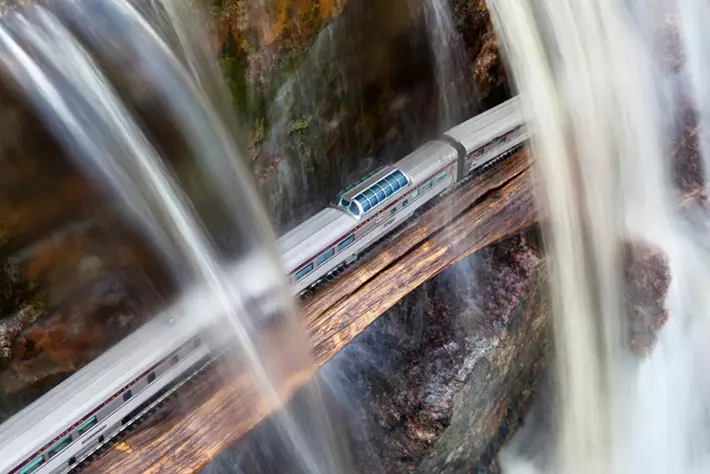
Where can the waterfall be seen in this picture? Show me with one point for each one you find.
(449, 61)
(597, 99)
(97, 73)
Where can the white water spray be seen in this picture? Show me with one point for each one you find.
(449, 60)
(593, 93)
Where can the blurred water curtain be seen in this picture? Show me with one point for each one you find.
(133, 94)
(604, 101)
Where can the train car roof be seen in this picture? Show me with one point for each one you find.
(427, 159)
(374, 178)
(363, 184)
(492, 123)
(308, 238)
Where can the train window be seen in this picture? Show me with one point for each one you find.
(415, 193)
(427, 186)
(151, 377)
(400, 178)
(405, 202)
(127, 395)
(33, 465)
(371, 196)
(360, 181)
(393, 182)
(364, 203)
(354, 209)
(322, 258)
(346, 243)
(87, 425)
(304, 271)
(393, 210)
(378, 192)
(441, 176)
(386, 187)
(63, 443)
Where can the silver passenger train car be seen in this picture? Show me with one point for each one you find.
(57, 432)
(363, 213)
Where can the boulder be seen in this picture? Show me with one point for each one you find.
(646, 282)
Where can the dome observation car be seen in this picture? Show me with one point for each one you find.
(371, 192)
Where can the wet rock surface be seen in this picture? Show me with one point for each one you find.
(75, 276)
(21, 303)
(487, 69)
(72, 299)
(647, 278)
(687, 166)
(478, 343)
(439, 382)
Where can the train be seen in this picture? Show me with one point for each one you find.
(74, 420)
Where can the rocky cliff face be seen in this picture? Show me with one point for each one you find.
(334, 89)
(474, 341)
(74, 277)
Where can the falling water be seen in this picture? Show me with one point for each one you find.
(449, 60)
(597, 98)
(65, 58)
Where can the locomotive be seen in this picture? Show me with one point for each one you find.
(83, 413)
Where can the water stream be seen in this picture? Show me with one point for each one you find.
(449, 61)
(601, 105)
